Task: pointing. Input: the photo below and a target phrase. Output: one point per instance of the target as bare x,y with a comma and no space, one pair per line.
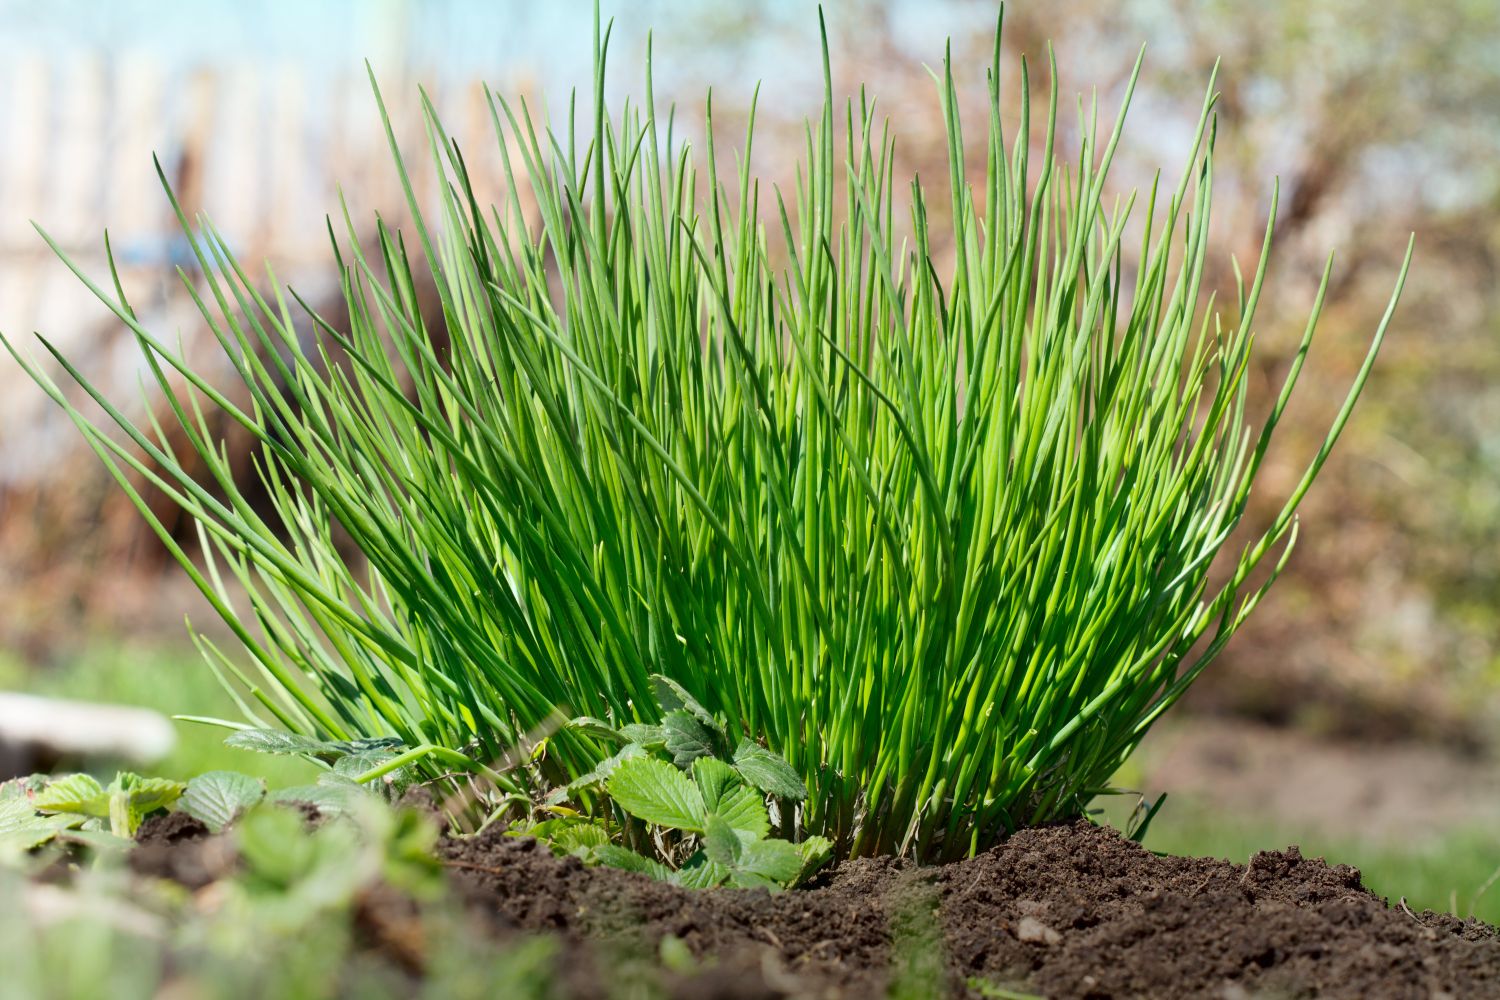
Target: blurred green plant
280,919
124,802
40,809
949,547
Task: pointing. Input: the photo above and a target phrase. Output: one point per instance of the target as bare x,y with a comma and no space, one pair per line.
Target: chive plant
948,538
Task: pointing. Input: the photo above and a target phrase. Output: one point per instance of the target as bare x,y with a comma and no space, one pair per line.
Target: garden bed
1063,911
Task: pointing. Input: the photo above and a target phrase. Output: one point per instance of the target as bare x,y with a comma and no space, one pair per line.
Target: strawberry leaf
721,844
275,741
73,793
21,828
218,798
687,738
616,856
768,771
714,778
699,873
815,852
658,793
146,795
775,860
646,735
672,696
605,768
744,809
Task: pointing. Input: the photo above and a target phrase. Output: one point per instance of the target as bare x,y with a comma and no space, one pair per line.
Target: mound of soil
1059,912
1064,911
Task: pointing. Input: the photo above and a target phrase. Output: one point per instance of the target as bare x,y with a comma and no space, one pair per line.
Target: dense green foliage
946,538
694,808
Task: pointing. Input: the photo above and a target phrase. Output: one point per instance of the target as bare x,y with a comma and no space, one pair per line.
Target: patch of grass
169,678
947,537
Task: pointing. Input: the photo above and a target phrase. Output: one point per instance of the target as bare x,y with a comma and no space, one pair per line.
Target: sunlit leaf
687,738
658,793
714,779
744,809
73,793
672,696
768,771
217,798
275,741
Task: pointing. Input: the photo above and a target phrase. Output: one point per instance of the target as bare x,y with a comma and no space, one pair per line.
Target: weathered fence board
262,148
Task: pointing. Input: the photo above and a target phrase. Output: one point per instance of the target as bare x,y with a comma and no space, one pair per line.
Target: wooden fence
261,148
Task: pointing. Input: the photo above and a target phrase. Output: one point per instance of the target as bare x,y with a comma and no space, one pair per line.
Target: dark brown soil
1065,911
175,846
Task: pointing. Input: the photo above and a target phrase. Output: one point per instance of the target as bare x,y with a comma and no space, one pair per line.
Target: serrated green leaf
597,728
606,767
275,844
815,852
658,793
645,734
329,800
580,838
389,745
73,793
776,860
672,697
687,738
21,828
132,798
742,879
721,844
275,741
744,809
714,778
564,834
217,798
145,795
353,765
16,814
768,771
700,873
616,856
356,763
